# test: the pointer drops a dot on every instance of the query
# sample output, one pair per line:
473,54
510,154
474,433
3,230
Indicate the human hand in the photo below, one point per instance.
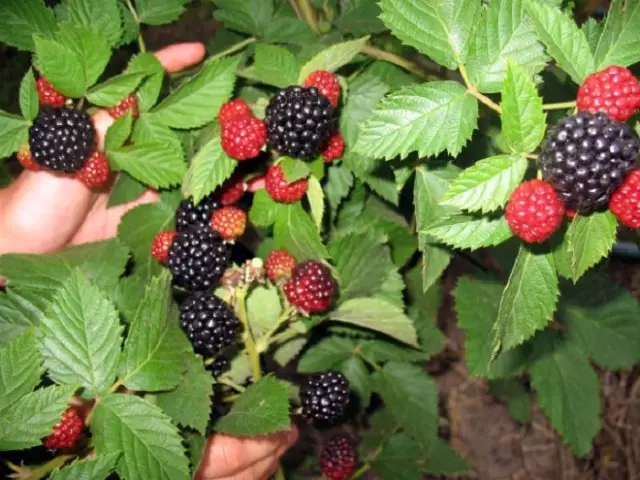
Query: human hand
249,458
43,212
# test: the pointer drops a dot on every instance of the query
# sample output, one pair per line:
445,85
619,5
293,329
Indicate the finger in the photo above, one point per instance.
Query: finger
180,56
227,456
262,469
101,121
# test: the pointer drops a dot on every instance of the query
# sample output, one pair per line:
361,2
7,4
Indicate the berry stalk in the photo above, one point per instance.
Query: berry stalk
264,342
247,334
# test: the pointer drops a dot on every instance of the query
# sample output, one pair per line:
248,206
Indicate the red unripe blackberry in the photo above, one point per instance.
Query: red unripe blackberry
26,160
232,190
66,432
230,222
534,211
189,215
299,122
282,191
96,172
209,323
334,148
614,91
327,84
161,245
197,259
338,459
121,109
232,109
324,397
585,157
48,95
61,139
243,137
625,201
279,264
311,287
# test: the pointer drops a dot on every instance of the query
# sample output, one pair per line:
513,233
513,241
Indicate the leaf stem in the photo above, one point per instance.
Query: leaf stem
141,44
367,465
44,470
263,343
473,90
233,48
232,384
370,362
401,62
559,105
247,334
530,156
309,14
284,336
296,9
114,388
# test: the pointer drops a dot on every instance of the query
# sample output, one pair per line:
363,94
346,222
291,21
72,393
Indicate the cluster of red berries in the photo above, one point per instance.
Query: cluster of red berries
588,161
66,433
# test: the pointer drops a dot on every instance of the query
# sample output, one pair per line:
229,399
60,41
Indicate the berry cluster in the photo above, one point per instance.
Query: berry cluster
66,433
588,161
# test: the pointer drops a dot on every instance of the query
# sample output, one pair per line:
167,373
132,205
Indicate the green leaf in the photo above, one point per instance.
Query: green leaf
517,397
362,261
261,409
151,356
469,231
428,118
591,238
295,231
147,93
602,320
378,315
430,187
20,368
620,40
102,263
97,468
504,34
116,135
198,101
276,66
357,374
264,210
565,42
29,102
400,459
130,29
364,93
529,299
14,132
592,30
80,337
263,309
20,20
209,168
151,446
287,351
19,311
104,16
444,460
159,12
412,397
33,417
151,163
112,91
148,130
333,58
337,187
326,354
523,120
442,29
125,190
294,169
315,197
359,17
189,404
568,391
247,16
91,48
137,229
487,184
196,445
61,65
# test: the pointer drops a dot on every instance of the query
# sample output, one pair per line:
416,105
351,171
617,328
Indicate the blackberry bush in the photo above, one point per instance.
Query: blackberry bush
285,220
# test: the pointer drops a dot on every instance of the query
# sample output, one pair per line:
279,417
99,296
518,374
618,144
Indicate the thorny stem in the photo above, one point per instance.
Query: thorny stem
473,90
44,470
309,14
141,44
559,106
401,62
247,334
296,9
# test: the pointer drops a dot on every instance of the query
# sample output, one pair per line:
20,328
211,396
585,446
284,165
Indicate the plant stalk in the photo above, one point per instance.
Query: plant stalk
401,62
247,334
559,105
309,14
264,342
233,48
44,470
473,90
141,45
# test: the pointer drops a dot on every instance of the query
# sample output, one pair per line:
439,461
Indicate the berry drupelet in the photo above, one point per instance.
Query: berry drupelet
585,157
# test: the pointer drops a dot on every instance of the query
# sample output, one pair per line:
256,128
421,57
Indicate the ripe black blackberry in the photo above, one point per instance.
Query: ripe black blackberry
197,259
324,397
62,139
209,323
219,365
299,122
585,157
189,215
